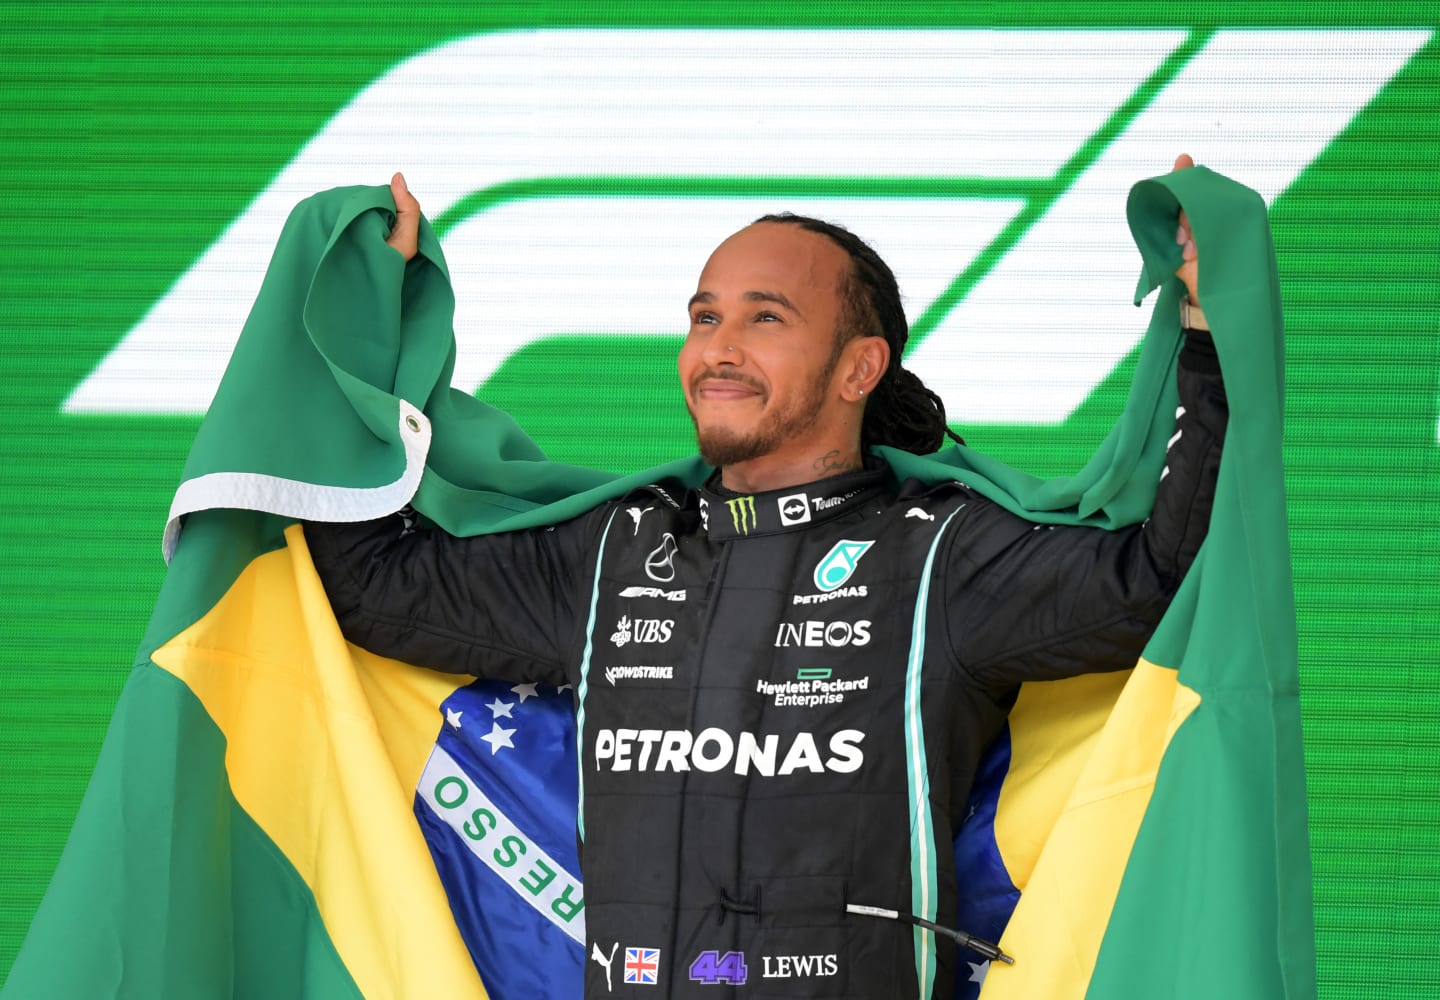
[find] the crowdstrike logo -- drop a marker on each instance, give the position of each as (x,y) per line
(1273,100)
(645,673)
(742,513)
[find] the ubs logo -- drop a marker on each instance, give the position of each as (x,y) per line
(642,630)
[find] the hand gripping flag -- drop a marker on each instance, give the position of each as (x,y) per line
(251,826)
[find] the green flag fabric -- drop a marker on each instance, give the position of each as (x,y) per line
(1173,860)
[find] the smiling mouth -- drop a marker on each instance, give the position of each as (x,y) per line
(725,391)
(721,388)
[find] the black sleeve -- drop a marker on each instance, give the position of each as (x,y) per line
(1029,602)
(502,606)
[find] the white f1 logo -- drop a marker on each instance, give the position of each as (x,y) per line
(987,135)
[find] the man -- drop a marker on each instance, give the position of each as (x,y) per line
(784,680)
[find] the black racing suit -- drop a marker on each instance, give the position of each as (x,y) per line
(782,697)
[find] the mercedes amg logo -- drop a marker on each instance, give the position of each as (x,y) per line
(660,563)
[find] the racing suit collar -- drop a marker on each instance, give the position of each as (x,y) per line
(730,515)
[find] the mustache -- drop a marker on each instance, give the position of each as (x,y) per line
(724,375)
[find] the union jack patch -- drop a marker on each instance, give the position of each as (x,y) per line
(642,966)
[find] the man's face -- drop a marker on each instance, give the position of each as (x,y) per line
(760,358)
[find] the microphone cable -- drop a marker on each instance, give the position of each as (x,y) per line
(978,945)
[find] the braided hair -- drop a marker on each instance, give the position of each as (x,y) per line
(902,412)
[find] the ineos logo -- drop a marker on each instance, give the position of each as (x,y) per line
(816,634)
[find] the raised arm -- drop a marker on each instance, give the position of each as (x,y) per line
(1029,602)
(497,606)
(502,606)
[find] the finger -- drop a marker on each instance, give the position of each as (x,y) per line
(405,236)
(1185,236)
(1189,270)
(1189,273)
(400,191)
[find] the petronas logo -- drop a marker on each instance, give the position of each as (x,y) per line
(832,571)
(742,513)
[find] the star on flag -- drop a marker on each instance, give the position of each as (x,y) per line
(498,737)
(453,717)
(499,708)
(526,691)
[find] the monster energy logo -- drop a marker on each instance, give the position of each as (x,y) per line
(742,513)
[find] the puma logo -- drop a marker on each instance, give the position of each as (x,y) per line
(636,514)
(596,955)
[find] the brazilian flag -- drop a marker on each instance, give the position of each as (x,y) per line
(276,813)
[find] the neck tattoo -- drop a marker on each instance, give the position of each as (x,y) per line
(832,463)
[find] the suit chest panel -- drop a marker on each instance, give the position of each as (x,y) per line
(761,657)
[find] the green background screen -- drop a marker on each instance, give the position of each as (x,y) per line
(578,161)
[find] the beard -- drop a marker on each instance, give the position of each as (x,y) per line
(721,446)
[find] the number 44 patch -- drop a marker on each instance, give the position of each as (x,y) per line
(713,968)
